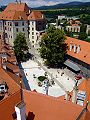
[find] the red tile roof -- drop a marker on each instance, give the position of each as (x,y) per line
(13,87)
(35,15)
(13,15)
(16,78)
(13,67)
(85,86)
(15,11)
(7,106)
(17,7)
(49,108)
(83,55)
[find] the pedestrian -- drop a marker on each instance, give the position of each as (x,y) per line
(58,71)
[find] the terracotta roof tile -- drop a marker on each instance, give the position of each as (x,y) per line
(13,67)
(35,15)
(13,87)
(49,108)
(13,15)
(17,7)
(16,78)
(83,55)
(85,86)
(7,106)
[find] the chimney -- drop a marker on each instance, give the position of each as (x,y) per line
(87,105)
(42,16)
(67,96)
(70,46)
(4,60)
(75,91)
(0,62)
(75,48)
(20,110)
(78,49)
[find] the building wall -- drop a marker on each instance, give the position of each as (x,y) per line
(85,68)
(73,28)
(88,29)
(32,32)
(32,29)
(22,27)
(60,17)
(8,106)
(11,32)
(36,27)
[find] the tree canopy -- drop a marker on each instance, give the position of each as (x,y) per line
(20,47)
(52,47)
(82,36)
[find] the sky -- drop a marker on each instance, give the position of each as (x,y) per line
(36,3)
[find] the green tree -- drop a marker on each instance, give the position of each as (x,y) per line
(20,47)
(83,28)
(82,36)
(52,47)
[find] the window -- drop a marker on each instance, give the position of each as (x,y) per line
(32,33)
(32,41)
(16,29)
(16,23)
(5,28)
(2,87)
(32,29)
(23,29)
(10,24)
(5,23)
(32,23)
(10,29)
(22,23)
(32,37)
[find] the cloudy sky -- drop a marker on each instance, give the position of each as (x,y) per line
(36,3)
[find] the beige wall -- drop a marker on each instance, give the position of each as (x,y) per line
(73,28)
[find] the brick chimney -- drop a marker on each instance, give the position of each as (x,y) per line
(67,95)
(78,49)
(71,46)
(75,48)
(20,110)
(75,91)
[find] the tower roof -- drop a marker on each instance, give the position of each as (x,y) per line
(36,15)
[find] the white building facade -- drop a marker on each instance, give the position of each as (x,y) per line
(15,19)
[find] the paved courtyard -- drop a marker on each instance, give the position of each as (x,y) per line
(31,68)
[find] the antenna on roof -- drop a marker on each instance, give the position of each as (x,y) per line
(21,91)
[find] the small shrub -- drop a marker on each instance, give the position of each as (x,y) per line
(39,84)
(41,78)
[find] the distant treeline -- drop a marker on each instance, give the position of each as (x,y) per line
(67,12)
(51,15)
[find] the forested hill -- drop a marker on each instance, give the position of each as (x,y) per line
(66,5)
